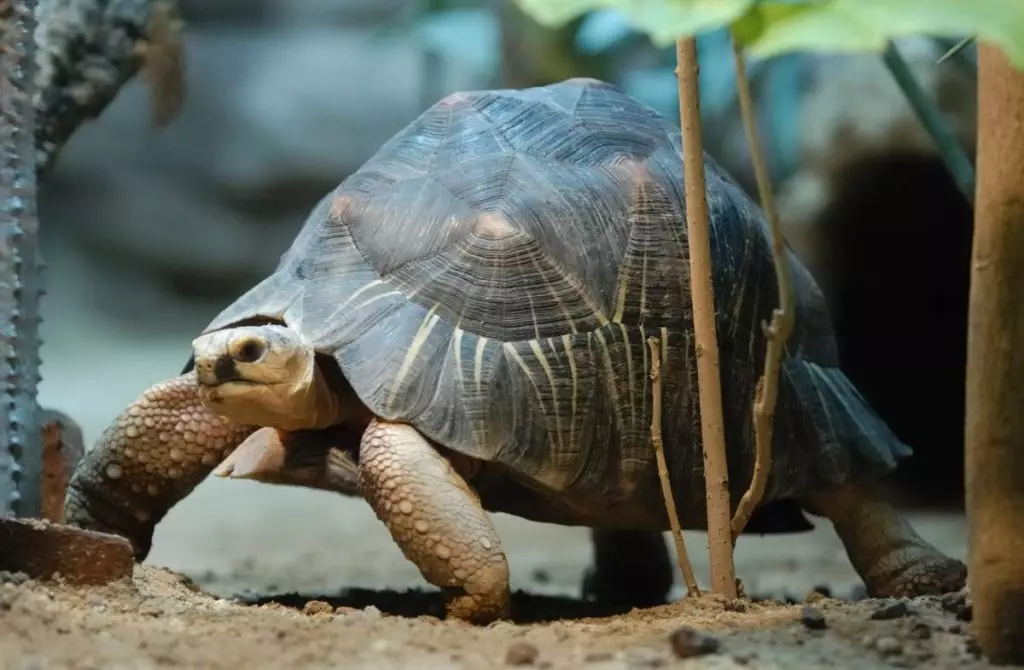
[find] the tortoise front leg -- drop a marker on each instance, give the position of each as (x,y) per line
(436,519)
(631,568)
(891,558)
(156,451)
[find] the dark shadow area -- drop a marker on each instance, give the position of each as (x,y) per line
(898,245)
(526,607)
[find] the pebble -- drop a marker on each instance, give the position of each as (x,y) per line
(813,619)
(688,643)
(735,606)
(889,646)
(958,604)
(920,631)
(895,609)
(14,578)
(521,653)
(316,607)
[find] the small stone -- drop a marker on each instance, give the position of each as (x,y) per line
(895,609)
(889,646)
(920,631)
(371,611)
(316,607)
(813,619)
(735,606)
(13,578)
(952,602)
(521,653)
(965,613)
(813,597)
(689,643)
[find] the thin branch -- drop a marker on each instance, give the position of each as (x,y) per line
(685,567)
(931,118)
(782,318)
(88,49)
(956,50)
(716,473)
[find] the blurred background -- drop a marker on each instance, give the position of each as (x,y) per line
(148,235)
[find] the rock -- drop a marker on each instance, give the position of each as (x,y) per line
(41,549)
(813,619)
(735,606)
(13,578)
(889,646)
(316,607)
(894,609)
(920,631)
(688,643)
(521,653)
(959,605)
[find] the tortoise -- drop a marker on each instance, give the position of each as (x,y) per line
(462,325)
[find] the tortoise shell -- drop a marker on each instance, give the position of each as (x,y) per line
(491,277)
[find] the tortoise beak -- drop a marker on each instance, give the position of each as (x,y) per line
(259,457)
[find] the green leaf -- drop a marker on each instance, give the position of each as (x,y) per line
(773,28)
(663,21)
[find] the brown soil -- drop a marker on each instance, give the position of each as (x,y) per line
(163,619)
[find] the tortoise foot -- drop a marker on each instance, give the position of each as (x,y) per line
(630,569)
(886,551)
(436,519)
(930,575)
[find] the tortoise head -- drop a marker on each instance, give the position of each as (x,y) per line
(263,375)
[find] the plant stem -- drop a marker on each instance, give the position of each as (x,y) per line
(21,452)
(994,460)
(716,473)
(931,118)
(682,556)
(782,318)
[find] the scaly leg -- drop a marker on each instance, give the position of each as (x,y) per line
(631,568)
(892,559)
(156,451)
(436,519)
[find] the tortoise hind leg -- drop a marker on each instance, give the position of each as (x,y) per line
(888,554)
(436,519)
(631,568)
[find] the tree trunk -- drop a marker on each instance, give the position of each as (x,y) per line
(995,366)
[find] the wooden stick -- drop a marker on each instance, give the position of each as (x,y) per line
(716,473)
(783,317)
(994,457)
(685,567)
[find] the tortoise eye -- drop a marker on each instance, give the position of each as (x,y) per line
(249,350)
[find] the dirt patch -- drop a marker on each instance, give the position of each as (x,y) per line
(163,619)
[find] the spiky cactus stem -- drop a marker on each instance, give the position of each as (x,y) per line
(20,266)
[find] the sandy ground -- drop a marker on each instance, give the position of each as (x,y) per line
(249,541)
